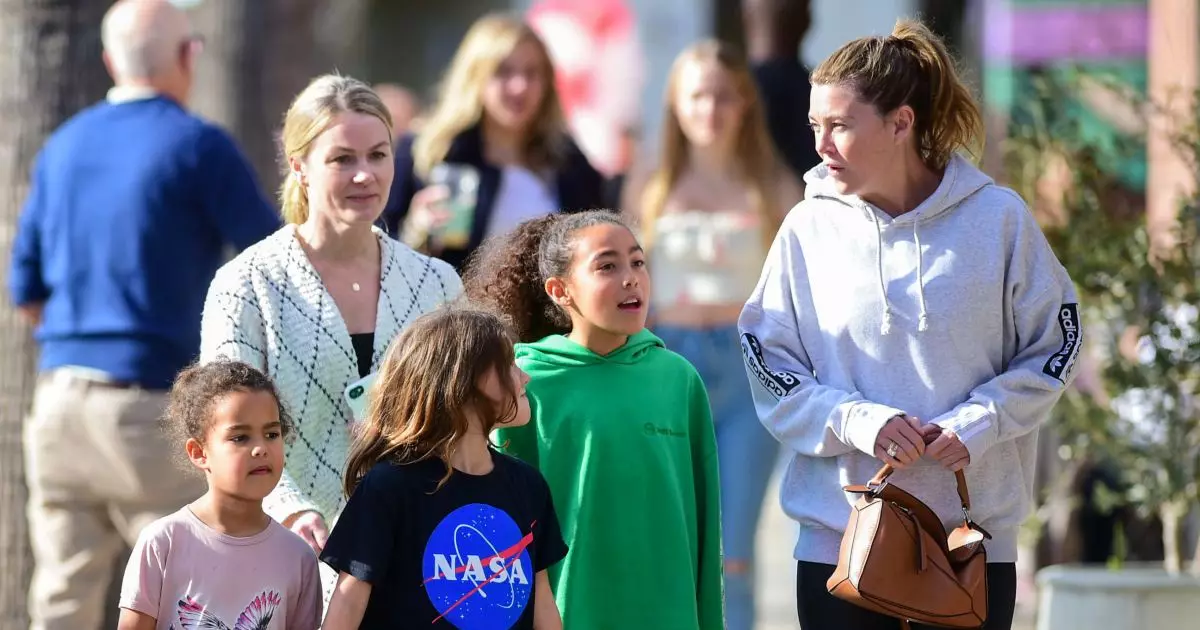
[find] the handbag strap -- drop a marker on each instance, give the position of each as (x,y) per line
(964,497)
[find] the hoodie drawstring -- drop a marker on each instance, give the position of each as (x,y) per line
(886,326)
(923,320)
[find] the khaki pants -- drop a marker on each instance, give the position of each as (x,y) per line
(99,469)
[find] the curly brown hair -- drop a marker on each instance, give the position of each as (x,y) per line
(198,388)
(508,274)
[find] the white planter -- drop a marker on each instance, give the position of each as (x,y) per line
(1138,597)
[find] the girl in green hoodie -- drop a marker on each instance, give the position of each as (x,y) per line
(622,429)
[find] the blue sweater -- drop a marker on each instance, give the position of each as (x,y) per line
(129,214)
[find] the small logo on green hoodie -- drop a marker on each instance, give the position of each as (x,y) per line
(651,429)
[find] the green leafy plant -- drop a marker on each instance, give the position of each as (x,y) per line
(1139,300)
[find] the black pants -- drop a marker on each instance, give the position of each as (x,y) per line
(818,610)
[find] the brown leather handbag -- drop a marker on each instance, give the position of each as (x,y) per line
(896,558)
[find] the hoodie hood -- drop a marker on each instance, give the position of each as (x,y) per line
(960,181)
(560,351)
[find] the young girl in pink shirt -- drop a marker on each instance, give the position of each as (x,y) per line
(220,561)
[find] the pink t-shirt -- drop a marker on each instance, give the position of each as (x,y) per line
(189,576)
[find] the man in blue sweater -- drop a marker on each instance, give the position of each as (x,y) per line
(132,206)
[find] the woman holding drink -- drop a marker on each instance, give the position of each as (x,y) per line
(495,151)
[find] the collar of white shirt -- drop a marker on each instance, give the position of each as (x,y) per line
(126,93)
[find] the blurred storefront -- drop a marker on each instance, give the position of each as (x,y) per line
(1027,41)
(1149,47)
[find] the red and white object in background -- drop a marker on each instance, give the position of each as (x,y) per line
(598,68)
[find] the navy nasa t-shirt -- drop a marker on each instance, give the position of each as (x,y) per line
(463,557)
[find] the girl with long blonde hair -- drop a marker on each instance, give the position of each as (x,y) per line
(707,214)
(441,530)
(499,125)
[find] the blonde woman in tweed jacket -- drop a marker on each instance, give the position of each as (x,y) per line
(316,304)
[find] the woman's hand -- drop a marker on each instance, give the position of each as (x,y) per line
(900,442)
(948,450)
(426,215)
(311,527)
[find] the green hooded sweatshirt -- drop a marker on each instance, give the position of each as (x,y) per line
(626,443)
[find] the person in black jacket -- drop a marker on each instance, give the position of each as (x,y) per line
(774,31)
(500,130)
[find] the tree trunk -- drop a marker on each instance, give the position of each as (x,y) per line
(1172,514)
(258,56)
(50,69)
(1196,559)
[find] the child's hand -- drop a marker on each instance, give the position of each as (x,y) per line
(311,527)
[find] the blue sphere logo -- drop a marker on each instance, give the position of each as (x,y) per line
(478,574)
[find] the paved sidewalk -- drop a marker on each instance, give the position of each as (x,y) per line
(776,570)
(776,578)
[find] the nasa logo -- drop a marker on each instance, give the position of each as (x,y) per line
(478,573)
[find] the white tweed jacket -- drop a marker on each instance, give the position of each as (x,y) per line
(269,308)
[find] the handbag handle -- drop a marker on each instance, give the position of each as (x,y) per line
(964,497)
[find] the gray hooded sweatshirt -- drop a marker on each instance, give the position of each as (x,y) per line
(957,313)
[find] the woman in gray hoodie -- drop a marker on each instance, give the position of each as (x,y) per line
(910,312)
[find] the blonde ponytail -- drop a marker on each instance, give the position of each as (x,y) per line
(955,120)
(911,67)
(293,200)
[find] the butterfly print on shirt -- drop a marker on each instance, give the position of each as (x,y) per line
(257,616)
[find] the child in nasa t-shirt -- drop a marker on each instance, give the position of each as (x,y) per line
(442,531)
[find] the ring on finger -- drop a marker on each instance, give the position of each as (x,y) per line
(892,450)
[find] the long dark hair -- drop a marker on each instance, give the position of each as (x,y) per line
(508,274)
(428,381)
